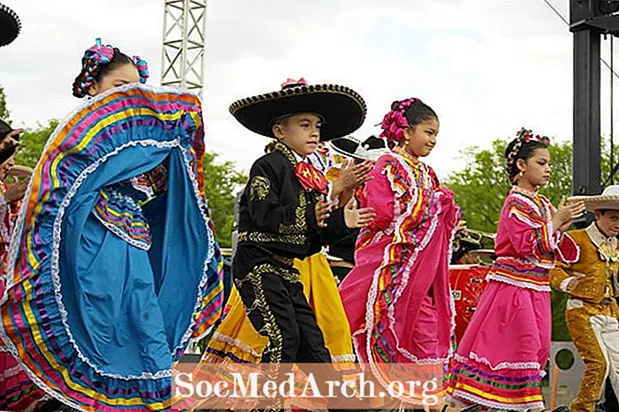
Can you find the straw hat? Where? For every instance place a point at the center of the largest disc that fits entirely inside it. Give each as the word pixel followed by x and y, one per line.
pixel 608 200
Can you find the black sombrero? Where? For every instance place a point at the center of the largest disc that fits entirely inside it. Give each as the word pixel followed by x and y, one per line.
pixel 342 109
pixel 370 149
pixel 9 25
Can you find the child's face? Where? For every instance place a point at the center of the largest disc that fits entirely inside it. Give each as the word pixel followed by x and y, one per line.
pixel 608 222
pixel 125 74
pixel 300 132
pixel 421 138
pixel 537 168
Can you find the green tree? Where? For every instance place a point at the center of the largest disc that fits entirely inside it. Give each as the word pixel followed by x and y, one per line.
pixel 221 183
pixel 4 111
pixel 32 143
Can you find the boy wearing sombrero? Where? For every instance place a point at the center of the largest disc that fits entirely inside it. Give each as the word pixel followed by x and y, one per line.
pixel 283 213
pixel 591 283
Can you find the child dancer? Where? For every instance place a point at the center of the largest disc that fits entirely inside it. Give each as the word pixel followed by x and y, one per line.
pixel 501 358
pixel 591 283
pixel 114 265
pixel 284 214
pixel 397 298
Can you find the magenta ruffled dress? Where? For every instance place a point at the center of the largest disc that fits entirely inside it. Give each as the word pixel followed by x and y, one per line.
pixel 501 359
pixel 397 298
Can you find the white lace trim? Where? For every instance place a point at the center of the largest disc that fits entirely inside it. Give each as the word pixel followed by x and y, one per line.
pixel 560 251
pixel 234 342
pixel 501 406
pixel 147 190
pixel 211 253
pixel 452 302
pixel 343 358
pixel 122 234
pixel 4 229
pixel 503 365
pixel 522 284
pixel 7 373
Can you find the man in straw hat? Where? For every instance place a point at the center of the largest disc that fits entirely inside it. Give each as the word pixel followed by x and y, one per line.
pixel 591 283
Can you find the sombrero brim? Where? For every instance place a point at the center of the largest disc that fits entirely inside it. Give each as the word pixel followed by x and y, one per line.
pixel 348 146
pixel 10 25
pixel 593 203
pixel 490 253
pixel 342 109
pixel 359 153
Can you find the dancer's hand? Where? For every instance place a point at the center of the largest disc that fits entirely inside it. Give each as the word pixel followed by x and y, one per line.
pixel 10 139
pixel 461 227
pixel 567 214
pixel 351 176
pixel 16 192
pixel 323 211
pixel 356 218
pixel 21 171
pixel 571 285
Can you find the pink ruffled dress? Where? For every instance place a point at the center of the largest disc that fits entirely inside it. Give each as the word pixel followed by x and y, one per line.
pixel 501 359
pixel 397 298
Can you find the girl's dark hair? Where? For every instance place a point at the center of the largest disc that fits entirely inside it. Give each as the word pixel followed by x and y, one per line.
pixel 93 71
pixel 417 113
pixel 526 151
pixel 404 113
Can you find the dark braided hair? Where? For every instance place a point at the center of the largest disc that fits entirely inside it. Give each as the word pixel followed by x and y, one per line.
pixel 526 151
pixel 418 112
pixel 93 69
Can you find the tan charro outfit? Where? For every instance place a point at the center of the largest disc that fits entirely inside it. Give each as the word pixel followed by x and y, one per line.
pixel 592 312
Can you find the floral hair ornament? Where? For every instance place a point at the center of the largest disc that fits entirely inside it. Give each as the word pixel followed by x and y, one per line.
pixel 292 82
pixel 99 53
pixel 394 123
pixel 523 136
pixel 94 57
pixel 142 68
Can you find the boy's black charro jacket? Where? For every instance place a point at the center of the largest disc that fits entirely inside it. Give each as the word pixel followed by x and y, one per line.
pixel 277 215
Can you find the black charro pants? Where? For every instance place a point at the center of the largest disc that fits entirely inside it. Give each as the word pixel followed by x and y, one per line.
pixel 277 308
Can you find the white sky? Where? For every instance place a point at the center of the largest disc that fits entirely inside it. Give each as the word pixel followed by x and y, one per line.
pixel 486 67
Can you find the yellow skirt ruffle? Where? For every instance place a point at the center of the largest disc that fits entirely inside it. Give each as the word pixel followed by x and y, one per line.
pixel 236 340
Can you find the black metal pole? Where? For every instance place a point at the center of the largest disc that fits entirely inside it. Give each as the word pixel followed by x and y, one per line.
pixel 587 168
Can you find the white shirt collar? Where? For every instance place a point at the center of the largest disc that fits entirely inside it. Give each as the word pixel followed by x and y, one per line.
pixel 297 156
pixel 607 246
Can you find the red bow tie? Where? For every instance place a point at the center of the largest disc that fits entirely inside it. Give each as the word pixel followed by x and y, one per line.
pixel 310 178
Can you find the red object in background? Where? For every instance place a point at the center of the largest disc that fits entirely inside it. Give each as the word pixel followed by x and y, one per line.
pixel 467 284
